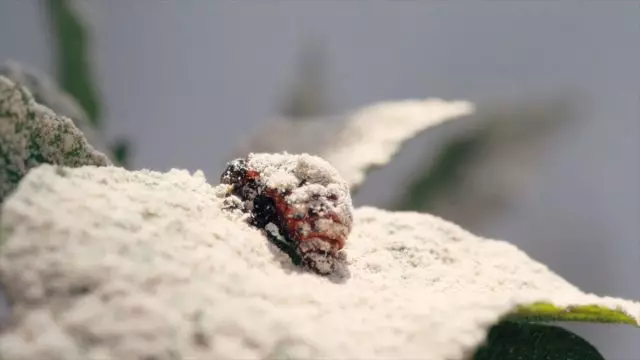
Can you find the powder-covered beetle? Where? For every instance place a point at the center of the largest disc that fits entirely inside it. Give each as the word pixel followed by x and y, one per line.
pixel 299 200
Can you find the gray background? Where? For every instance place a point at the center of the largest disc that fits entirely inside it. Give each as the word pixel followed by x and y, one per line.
pixel 187 79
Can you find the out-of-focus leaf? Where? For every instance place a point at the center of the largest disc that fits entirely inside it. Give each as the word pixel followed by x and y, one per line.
pixel 355 143
pixel 443 172
pixel 71 34
pixel 476 175
pixel 360 141
pixel 308 95
pixel 73 52
pixel 527 341
pixel 121 150
pixel 46 92
pixel 32 135
pixel 582 313
pixel 375 134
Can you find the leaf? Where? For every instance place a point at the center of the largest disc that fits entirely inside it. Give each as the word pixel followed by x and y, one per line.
pixel 73 51
pixel 361 141
pixel 355 143
pixel 523 341
pixel 374 135
pixel 308 95
pixel 72 37
pixel 121 150
pixel 31 135
pixel 46 92
pixel 479 171
pixel 440 177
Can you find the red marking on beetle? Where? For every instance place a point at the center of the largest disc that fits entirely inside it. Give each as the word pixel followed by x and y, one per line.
pixel 292 223
pixel 252 174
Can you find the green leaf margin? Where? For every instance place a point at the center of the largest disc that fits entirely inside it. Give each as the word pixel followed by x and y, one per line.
pixel 543 311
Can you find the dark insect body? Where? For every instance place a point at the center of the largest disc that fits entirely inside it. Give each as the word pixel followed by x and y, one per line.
pixel 311 231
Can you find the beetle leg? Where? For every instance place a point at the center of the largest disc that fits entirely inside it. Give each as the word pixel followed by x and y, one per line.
pixel 288 248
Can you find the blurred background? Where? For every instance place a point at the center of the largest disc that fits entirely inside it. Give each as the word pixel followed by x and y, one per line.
pixel 550 161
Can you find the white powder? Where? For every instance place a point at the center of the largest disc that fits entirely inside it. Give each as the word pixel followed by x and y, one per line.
pixel 102 263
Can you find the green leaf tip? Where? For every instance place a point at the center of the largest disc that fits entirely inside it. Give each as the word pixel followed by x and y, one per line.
pixel 121 152
pixel 582 313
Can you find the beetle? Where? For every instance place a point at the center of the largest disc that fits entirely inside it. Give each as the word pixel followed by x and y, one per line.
pixel 308 218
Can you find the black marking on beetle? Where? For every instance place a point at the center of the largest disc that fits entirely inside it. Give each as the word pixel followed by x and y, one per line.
pixel 263 209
